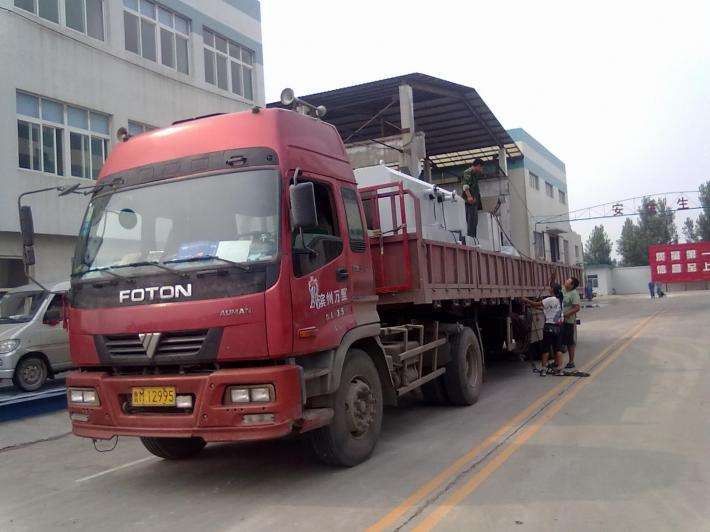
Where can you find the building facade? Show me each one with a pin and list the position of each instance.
(75, 71)
(538, 193)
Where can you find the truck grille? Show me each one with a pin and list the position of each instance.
(184, 343)
(177, 348)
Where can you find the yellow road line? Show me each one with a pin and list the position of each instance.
(456, 467)
(528, 432)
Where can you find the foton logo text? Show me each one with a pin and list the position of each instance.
(151, 293)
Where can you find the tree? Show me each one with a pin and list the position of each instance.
(656, 225)
(629, 245)
(703, 223)
(597, 249)
(690, 232)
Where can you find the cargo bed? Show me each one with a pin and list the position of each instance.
(410, 269)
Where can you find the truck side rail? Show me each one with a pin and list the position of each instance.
(411, 269)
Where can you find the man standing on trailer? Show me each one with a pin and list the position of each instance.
(570, 307)
(472, 195)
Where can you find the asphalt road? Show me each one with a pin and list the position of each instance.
(625, 449)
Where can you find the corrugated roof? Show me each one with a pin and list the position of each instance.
(457, 123)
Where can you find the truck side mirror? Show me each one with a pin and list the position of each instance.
(303, 205)
(28, 234)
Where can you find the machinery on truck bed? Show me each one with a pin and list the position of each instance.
(232, 283)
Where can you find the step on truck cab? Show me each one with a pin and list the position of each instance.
(228, 285)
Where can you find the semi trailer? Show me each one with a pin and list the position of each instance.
(231, 282)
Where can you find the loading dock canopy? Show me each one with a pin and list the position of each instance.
(457, 123)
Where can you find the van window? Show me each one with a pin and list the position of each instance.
(314, 247)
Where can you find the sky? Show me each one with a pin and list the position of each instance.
(620, 91)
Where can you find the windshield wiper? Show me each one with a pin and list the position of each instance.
(108, 269)
(203, 258)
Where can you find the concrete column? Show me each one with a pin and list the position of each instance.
(406, 113)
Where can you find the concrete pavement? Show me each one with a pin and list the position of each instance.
(624, 449)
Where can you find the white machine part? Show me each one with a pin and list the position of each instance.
(443, 212)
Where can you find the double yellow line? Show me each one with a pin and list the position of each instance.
(600, 362)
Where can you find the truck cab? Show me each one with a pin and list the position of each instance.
(201, 309)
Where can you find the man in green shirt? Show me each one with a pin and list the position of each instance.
(472, 195)
(570, 307)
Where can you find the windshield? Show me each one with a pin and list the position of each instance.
(18, 307)
(226, 218)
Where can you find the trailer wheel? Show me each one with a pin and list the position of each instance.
(174, 448)
(351, 436)
(464, 372)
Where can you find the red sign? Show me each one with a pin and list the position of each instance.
(680, 263)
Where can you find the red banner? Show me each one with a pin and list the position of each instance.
(680, 263)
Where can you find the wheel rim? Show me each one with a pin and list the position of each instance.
(360, 405)
(32, 373)
(472, 368)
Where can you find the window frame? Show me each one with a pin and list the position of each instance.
(549, 190)
(66, 129)
(62, 17)
(337, 226)
(158, 27)
(139, 125)
(208, 34)
(533, 180)
(562, 196)
(358, 245)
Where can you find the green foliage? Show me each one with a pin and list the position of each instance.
(690, 232)
(655, 226)
(702, 226)
(597, 249)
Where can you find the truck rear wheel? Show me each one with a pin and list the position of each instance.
(464, 372)
(174, 448)
(357, 404)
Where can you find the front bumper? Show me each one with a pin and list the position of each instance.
(209, 419)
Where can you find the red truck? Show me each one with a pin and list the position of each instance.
(230, 283)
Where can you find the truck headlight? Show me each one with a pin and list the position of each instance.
(83, 396)
(261, 393)
(8, 346)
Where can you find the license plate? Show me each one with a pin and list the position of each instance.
(153, 396)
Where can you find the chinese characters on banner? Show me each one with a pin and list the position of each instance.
(680, 263)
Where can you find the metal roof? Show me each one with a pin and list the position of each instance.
(457, 123)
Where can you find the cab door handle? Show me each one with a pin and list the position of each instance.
(341, 274)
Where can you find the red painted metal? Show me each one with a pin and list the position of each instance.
(680, 263)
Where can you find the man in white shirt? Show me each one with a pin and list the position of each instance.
(552, 309)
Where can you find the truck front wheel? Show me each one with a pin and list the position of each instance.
(174, 448)
(464, 372)
(357, 404)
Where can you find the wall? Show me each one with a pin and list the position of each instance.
(56, 62)
(631, 280)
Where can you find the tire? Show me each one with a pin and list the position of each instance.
(350, 439)
(464, 372)
(174, 448)
(30, 373)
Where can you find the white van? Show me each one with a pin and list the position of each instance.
(33, 342)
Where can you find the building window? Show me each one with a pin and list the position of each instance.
(85, 16)
(576, 252)
(539, 245)
(136, 128)
(228, 65)
(45, 126)
(565, 251)
(534, 181)
(549, 189)
(12, 273)
(157, 34)
(563, 196)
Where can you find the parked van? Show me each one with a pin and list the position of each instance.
(33, 343)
